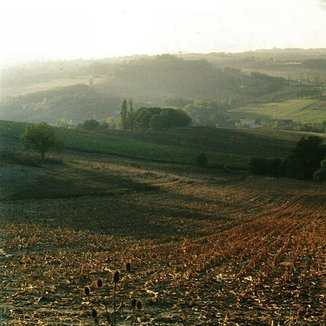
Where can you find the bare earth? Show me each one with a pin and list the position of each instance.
(205, 248)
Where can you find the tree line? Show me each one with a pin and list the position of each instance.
(155, 118)
(306, 161)
(152, 117)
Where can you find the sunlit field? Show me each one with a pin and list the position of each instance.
(299, 110)
(205, 247)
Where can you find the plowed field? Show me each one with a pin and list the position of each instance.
(204, 250)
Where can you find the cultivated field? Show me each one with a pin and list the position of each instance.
(223, 147)
(299, 110)
(205, 247)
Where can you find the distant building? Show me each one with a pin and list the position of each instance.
(249, 123)
(284, 123)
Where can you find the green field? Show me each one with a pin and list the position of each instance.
(223, 147)
(299, 110)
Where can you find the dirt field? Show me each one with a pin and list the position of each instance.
(205, 248)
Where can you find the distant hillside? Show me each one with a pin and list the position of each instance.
(295, 64)
(48, 91)
(168, 76)
(147, 80)
(70, 104)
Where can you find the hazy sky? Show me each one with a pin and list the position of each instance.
(47, 29)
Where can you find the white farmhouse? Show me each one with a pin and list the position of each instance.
(250, 123)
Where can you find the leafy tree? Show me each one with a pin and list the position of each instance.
(90, 124)
(258, 166)
(275, 167)
(158, 118)
(144, 115)
(305, 158)
(175, 118)
(156, 122)
(127, 115)
(124, 114)
(41, 138)
(131, 115)
(320, 174)
(262, 166)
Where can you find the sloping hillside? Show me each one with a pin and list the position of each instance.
(166, 76)
(74, 103)
(149, 81)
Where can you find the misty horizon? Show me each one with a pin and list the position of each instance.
(147, 55)
(38, 31)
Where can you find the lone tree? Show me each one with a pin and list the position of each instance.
(41, 138)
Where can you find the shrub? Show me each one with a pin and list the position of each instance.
(320, 175)
(202, 160)
(258, 166)
(275, 167)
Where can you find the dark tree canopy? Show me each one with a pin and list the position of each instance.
(304, 162)
(144, 115)
(91, 124)
(306, 157)
(159, 118)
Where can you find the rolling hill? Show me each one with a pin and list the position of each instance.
(149, 81)
(79, 90)
(223, 147)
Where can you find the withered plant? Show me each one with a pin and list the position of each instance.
(111, 319)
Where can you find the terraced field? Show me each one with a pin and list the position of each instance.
(205, 249)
